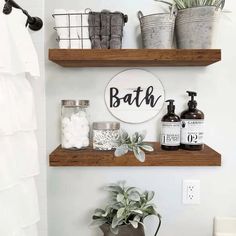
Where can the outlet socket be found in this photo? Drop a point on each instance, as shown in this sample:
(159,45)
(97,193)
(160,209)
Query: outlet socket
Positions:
(191,192)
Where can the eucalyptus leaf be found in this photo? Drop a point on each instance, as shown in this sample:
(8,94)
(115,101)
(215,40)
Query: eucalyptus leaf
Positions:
(124,135)
(150,210)
(120,197)
(114,230)
(116,206)
(134,137)
(115,222)
(98,222)
(115,189)
(134,224)
(150,195)
(139,154)
(128,190)
(134,196)
(120,212)
(142,136)
(122,184)
(137,218)
(147,148)
(107,211)
(121,150)
(99,212)
(138,212)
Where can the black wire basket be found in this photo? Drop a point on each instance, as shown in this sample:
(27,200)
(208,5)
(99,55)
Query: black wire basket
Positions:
(89,29)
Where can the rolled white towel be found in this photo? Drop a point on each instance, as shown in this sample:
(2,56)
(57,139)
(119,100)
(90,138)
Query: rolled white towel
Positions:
(64,43)
(83,31)
(74,36)
(86,44)
(62,24)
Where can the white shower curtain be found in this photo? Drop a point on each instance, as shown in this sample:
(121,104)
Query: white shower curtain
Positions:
(19,212)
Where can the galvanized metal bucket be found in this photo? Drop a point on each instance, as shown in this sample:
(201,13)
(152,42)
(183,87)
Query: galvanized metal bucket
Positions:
(158,29)
(129,230)
(196,27)
(124,230)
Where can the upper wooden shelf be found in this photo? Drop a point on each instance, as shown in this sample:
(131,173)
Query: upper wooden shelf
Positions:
(134,57)
(90,157)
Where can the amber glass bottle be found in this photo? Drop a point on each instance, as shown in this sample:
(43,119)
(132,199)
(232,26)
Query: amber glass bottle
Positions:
(192,126)
(170,129)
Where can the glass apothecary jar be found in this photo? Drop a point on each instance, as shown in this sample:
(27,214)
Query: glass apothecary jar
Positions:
(105,135)
(74,124)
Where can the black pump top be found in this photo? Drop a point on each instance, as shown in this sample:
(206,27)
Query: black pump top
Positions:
(192,103)
(171,106)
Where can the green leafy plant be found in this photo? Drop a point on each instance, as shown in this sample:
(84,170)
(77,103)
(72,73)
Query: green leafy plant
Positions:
(127,206)
(183,4)
(134,143)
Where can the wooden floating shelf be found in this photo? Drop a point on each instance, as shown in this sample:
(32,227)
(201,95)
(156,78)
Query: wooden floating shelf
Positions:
(90,157)
(134,57)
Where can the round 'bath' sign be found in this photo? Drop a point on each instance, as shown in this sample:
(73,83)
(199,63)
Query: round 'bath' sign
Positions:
(135,96)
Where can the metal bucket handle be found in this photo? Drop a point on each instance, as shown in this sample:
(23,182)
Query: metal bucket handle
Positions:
(87,10)
(140,15)
(159,224)
(173,10)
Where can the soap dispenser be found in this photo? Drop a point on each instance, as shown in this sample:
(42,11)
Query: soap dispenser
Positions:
(170,129)
(192,126)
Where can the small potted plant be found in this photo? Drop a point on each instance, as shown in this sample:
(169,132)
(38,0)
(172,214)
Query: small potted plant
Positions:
(126,211)
(196,22)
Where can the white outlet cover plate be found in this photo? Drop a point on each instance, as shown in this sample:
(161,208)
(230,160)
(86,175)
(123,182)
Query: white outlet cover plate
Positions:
(191,192)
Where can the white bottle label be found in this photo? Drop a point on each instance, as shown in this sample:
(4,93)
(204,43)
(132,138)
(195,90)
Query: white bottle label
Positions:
(192,132)
(170,133)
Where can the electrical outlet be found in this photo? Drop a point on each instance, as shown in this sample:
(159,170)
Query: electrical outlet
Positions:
(191,192)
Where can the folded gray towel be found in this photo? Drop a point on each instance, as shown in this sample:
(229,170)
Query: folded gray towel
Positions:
(115,42)
(105,29)
(95,29)
(117,25)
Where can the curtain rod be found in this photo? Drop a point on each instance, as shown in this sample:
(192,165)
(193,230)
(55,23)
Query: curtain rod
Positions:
(35,23)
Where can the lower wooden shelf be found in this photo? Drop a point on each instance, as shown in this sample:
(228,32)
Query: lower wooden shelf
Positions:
(90,157)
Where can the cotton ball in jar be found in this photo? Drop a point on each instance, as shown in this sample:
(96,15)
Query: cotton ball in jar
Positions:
(84,131)
(78,144)
(85,142)
(82,114)
(65,122)
(84,120)
(67,144)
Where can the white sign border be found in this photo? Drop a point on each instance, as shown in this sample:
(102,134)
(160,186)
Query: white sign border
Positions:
(135,122)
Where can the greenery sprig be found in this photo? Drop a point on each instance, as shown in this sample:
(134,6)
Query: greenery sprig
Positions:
(132,143)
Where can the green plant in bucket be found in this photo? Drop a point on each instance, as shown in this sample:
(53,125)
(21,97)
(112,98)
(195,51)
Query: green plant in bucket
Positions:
(127,206)
(183,4)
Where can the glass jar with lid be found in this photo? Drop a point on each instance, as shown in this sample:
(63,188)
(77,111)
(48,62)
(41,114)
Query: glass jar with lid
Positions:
(105,135)
(74,124)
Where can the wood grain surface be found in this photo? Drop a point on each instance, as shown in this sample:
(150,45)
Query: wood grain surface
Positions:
(90,157)
(134,57)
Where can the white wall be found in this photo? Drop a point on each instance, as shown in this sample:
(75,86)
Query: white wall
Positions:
(74,192)
(36,8)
